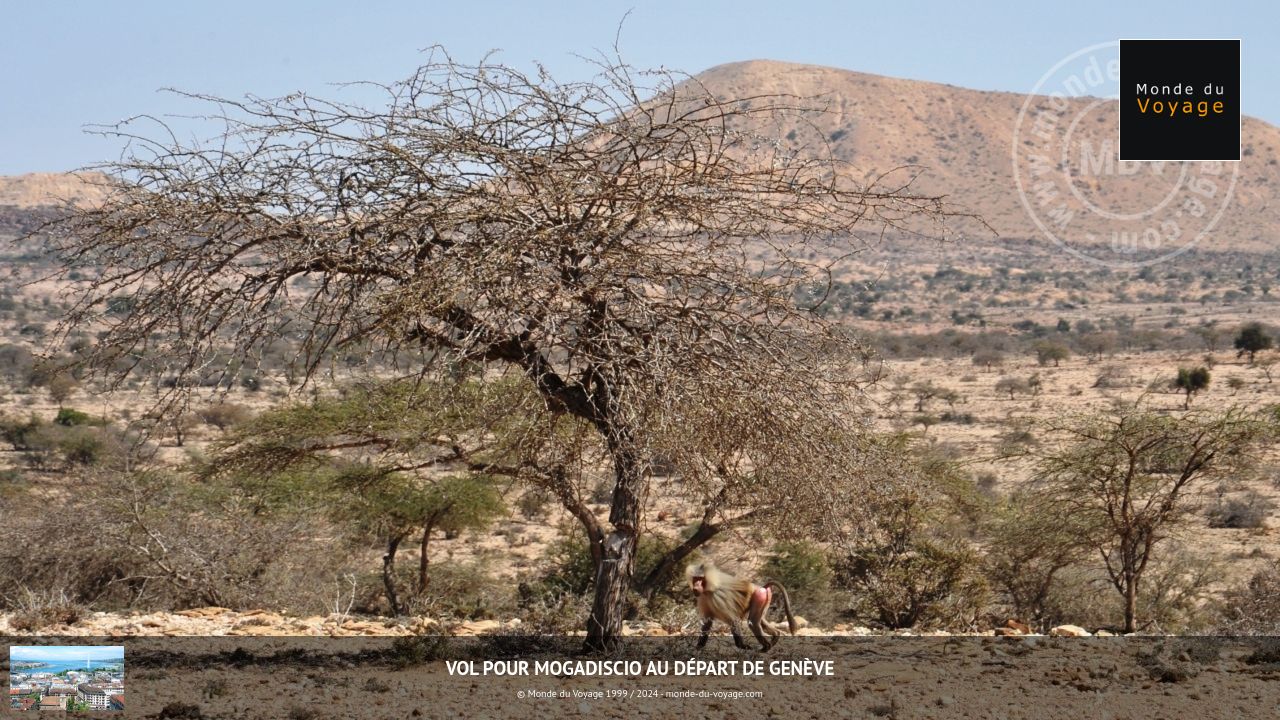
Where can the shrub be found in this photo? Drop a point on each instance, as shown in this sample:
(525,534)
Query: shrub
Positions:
(12,482)
(988,358)
(1012,385)
(85,446)
(1113,376)
(1248,512)
(911,563)
(1027,550)
(61,387)
(466,591)
(20,433)
(533,503)
(571,572)
(924,420)
(35,612)
(1015,440)
(918,584)
(571,569)
(803,568)
(415,650)
(151,540)
(602,492)
(224,415)
(74,438)
(70,417)
(1050,351)
(650,551)
(1253,609)
(16,364)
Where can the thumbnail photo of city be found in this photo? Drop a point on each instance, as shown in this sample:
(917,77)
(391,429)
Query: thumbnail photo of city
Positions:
(66,677)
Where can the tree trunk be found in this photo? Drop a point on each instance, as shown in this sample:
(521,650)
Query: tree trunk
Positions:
(422,559)
(389,574)
(1131,606)
(613,575)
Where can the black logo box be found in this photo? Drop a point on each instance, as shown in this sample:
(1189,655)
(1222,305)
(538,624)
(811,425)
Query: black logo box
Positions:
(1185,67)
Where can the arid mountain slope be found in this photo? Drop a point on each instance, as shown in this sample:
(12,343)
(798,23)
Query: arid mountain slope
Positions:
(964,141)
(43,189)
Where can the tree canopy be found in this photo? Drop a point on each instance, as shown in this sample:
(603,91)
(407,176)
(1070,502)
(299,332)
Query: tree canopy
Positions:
(1251,340)
(631,245)
(1128,476)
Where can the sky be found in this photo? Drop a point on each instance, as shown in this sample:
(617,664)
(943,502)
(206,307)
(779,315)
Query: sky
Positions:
(66,653)
(66,65)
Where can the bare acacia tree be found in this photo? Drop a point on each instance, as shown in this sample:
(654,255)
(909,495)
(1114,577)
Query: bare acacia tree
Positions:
(630,244)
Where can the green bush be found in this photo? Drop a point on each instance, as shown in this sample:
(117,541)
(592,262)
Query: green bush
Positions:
(802,568)
(70,417)
(71,441)
(930,582)
(649,552)
(913,562)
(571,569)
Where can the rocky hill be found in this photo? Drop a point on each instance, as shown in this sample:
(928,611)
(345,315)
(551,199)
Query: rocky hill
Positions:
(34,190)
(964,141)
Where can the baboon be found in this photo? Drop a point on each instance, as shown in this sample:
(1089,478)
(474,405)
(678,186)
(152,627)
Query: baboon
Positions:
(729,599)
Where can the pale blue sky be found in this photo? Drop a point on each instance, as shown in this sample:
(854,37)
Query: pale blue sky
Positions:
(65,653)
(67,64)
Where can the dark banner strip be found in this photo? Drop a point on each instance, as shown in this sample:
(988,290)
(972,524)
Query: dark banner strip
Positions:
(804,677)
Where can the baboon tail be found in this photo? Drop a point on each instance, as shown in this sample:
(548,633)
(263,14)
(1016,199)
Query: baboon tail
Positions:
(786,604)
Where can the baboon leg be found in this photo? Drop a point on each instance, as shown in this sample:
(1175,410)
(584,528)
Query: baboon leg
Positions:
(706,630)
(757,629)
(775,633)
(737,637)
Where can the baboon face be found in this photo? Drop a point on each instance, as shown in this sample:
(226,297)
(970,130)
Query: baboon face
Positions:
(698,583)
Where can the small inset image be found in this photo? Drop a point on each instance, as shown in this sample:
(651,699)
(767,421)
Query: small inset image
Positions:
(66,677)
